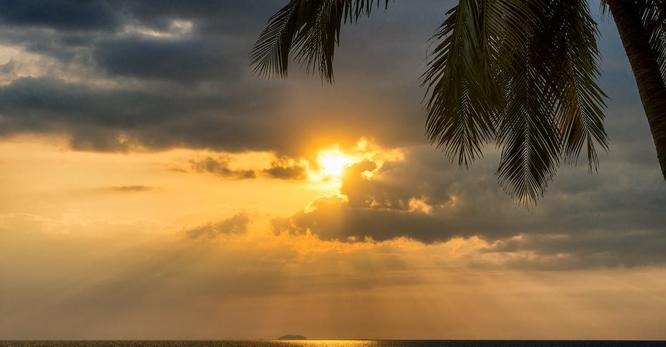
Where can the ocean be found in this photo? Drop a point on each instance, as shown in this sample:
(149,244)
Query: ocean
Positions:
(334,343)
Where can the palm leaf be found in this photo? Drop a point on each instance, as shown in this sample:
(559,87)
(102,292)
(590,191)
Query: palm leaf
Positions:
(463,94)
(527,131)
(570,33)
(554,107)
(270,55)
(307,31)
(653,15)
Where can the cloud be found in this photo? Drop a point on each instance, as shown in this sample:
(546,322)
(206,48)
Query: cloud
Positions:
(180,60)
(404,199)
(60,14)
(140,81)
(8,68)
(234,225)
(582,250)
(287,169)
(578,225)
(120,119)
(220,167)
(332,218)
(132,188)
(284,168)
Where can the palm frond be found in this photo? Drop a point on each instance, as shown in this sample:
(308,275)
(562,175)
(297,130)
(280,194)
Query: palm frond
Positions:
(570,33)
(270,54)
(315,46)
(653,16)
(527,131)
(307,31)
(463,95)
(555,106)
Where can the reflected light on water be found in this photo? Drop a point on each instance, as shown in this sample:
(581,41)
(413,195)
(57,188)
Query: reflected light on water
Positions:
(324,343)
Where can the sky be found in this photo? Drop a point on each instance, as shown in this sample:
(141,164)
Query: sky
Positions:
(154,187)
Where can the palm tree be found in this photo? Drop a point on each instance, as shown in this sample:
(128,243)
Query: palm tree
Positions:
(520,73)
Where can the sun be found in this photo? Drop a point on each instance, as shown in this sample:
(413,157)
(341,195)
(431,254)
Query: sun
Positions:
(326,170)
(333,162)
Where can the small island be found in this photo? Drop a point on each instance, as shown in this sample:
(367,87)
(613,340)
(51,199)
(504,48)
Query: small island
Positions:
(292,337)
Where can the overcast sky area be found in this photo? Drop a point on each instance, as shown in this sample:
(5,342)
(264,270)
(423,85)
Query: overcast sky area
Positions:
(154,187)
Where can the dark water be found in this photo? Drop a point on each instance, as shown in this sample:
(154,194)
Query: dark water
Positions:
(333,343)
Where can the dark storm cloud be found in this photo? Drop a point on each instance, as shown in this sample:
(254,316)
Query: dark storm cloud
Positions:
(111,15)
(42,100)
(193,90)
(60,14)
(96,33)
(210,59)
(174,60)
(236,224)
(210,17)
(112,119)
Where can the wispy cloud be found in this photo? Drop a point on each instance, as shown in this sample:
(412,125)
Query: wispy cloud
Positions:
(234,225)
(220,167)
(132,188)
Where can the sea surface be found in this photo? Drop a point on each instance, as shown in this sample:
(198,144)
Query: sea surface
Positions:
(333,343)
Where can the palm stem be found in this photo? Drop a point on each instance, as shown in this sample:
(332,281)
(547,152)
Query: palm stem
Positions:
(642,58)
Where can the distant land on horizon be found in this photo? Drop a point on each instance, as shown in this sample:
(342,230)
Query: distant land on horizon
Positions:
(292,337)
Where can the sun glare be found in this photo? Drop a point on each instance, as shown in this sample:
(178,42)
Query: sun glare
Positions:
(333,162)
(330,163)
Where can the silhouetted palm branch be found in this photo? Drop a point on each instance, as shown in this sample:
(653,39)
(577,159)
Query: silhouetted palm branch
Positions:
(653,14)
(307,31)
